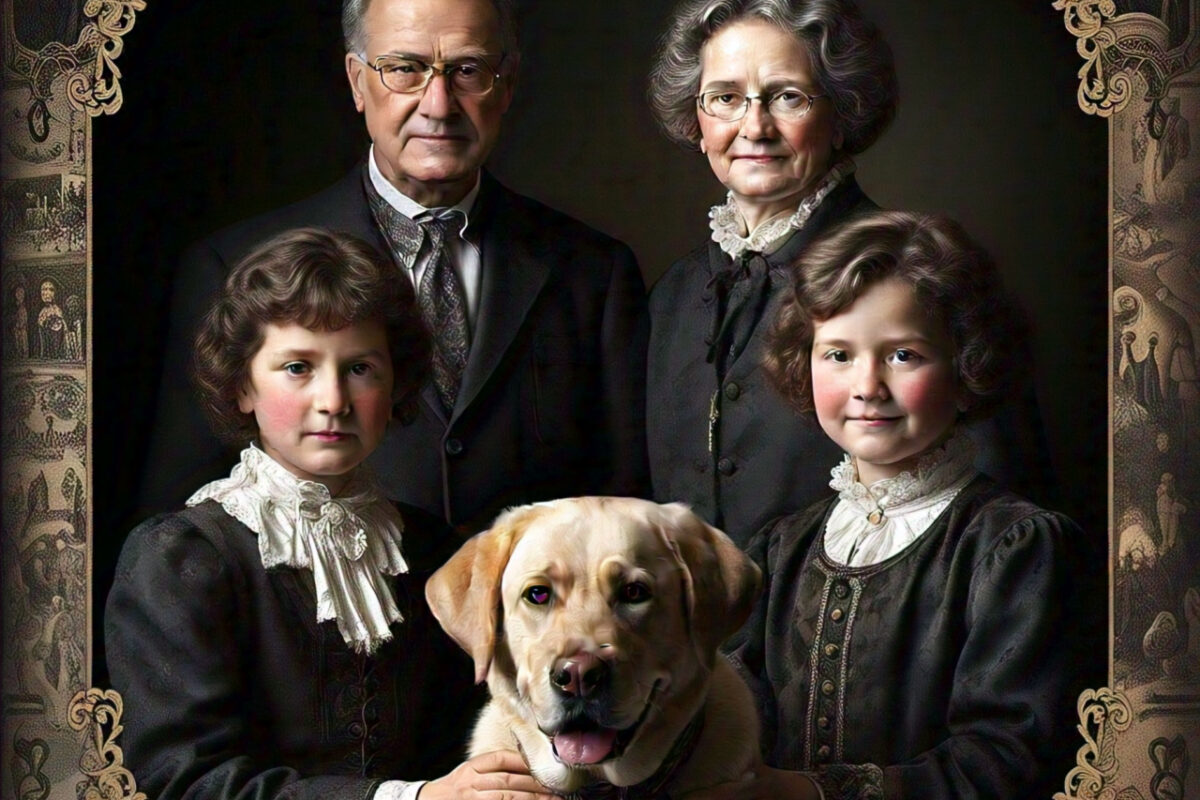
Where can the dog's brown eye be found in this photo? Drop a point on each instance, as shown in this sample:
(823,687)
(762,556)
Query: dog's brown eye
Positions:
(538,595)
(636,592)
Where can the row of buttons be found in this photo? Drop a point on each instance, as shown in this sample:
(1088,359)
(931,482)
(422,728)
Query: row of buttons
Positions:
(828,688)
(726,466)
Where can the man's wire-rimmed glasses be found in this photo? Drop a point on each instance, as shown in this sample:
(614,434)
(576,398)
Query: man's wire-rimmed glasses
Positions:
(730,105)
(473,75)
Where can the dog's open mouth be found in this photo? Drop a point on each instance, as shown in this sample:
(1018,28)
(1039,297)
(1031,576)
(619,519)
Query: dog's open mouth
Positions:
(584,741)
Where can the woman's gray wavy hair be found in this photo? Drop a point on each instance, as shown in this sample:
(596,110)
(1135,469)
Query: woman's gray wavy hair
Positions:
(851,61)
(353,25)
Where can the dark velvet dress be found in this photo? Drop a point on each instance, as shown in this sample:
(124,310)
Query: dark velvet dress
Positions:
(232,689)
(949,670)
(720,438)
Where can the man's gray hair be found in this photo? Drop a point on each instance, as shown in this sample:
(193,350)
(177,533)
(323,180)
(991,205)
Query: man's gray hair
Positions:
(851,63)
(355,34)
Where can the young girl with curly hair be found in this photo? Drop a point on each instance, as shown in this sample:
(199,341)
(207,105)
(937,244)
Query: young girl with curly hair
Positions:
(916,637)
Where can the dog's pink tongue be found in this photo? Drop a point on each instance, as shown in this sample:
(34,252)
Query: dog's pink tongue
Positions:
(584,748)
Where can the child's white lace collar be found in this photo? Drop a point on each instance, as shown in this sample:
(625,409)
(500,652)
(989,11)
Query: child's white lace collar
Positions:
(869,524)
(727,223)
(350,542)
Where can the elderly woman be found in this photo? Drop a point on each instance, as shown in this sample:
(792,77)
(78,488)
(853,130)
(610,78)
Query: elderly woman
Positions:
(780,95)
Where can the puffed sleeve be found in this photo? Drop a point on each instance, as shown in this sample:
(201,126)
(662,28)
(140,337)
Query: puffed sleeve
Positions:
(745,648)
(176,626)
(770,549)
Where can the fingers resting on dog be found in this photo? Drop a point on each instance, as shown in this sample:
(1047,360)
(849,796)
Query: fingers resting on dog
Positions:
(501,775)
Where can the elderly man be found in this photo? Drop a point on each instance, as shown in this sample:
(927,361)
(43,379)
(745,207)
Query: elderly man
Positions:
(539,322)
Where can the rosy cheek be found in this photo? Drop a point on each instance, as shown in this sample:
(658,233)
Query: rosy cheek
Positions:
(917,394)
(926,394)
(277,411)
(828,396)
(374,409)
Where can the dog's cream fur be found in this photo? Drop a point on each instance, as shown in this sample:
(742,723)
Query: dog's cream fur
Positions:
(595,555)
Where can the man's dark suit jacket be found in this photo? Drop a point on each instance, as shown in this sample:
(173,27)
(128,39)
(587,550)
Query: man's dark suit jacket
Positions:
(552,401)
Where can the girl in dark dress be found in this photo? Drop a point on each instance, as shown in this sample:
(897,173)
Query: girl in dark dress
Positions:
(271,639)
(915,637)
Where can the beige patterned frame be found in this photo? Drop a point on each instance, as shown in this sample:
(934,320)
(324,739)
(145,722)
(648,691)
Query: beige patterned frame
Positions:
(61,738)
(1145,78)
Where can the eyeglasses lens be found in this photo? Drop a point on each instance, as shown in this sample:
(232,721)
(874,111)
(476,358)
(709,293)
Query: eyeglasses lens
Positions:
(731,106)
(466,77)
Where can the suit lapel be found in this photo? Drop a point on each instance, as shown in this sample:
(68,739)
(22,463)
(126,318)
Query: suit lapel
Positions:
(359,220)
(350,210)
(515,269)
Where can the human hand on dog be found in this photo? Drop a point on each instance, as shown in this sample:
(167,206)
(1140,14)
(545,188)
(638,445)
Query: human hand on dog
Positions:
(500,775)
(765,783)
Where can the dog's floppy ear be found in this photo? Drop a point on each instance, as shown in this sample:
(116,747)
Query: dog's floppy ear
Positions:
(464,594)
(721,583)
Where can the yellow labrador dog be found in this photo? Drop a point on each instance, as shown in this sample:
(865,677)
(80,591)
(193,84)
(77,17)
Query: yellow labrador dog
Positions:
(596,622)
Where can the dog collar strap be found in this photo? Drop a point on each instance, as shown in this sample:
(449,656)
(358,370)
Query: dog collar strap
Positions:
(653,788)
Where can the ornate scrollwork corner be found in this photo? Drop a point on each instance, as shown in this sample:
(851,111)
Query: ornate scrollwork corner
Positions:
(1086,20)
(98,712)
(112,19)
(1102,714)
(1119,47)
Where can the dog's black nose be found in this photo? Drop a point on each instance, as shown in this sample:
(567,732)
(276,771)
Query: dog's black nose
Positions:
(579,675)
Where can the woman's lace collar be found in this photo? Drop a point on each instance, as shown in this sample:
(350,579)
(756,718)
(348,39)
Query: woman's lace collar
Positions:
(937,470)
(727,223)
(350,542)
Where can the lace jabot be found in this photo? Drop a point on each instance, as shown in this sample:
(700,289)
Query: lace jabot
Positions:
(727,223)
(349,542)
(869,524)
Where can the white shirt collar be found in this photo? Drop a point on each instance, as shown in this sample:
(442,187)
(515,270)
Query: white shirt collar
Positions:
(870,524)
(729,226)
(349,542)
(411,208)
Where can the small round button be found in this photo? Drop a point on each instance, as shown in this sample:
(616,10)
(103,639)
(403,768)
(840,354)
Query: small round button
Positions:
(841,589)
(836,615)
(454,446)
(827,687)
(726,466)
(823,723)
(823,752)
(832,650)
(732,391)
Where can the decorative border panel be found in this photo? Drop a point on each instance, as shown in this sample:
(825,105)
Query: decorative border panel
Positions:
(58,736)
(1142,71)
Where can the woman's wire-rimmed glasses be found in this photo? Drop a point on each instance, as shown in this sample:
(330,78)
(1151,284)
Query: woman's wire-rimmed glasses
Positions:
(730,105)
(473,75)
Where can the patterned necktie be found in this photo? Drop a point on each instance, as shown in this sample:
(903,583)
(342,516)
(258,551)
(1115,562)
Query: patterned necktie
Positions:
(444,306)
